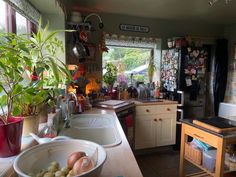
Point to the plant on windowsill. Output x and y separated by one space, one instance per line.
110 76
21 92
151 69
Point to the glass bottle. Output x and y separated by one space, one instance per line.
48 131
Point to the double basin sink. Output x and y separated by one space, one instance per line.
99 128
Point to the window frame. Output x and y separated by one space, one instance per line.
10 21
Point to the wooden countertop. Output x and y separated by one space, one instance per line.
120 159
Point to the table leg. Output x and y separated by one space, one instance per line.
220 158
183 140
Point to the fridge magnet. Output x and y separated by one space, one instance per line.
201 60
194 78
186 71
193 71
188 81
196 53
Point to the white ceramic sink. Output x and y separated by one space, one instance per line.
99 128
91 120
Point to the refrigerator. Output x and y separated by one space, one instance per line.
183 79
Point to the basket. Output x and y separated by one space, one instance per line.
193 154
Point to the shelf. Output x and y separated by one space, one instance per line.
199 174
201 167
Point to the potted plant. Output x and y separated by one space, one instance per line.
14 58
151 69
23 63
110 75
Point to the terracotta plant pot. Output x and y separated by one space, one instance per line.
10 137
30 125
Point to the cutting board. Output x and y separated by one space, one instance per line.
111 102
217 124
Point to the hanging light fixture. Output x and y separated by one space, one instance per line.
212 2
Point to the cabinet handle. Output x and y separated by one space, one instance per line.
147 110
168 109
200 137
155 120
160 119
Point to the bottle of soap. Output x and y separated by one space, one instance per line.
48 131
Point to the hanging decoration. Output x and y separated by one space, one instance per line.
102 45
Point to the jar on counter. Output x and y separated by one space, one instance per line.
81 101
48 131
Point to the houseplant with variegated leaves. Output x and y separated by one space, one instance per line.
20 92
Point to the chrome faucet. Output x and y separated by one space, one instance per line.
69 108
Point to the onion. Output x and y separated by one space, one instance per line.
82 165
73 158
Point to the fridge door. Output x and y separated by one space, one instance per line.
192 81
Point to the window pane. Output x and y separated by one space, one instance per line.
2 16
21 24
129 61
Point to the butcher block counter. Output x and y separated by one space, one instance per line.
120 159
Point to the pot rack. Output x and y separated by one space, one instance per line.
85 24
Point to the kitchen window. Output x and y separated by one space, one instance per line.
2 16
131 56
21 24
12 21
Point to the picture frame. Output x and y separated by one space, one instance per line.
91 51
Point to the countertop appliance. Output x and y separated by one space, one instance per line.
125 111
183 77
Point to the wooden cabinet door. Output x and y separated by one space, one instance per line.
166 129
145 133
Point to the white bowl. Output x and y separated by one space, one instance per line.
39 157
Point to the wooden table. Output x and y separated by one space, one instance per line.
218 141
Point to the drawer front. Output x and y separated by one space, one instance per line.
157 117
156 109
201 135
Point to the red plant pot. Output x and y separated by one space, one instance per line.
10 137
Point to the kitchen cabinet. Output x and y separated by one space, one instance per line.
155 125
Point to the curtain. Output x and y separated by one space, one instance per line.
26 9
221 70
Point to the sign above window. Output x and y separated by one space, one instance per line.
134 28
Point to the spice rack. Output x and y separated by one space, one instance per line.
216 140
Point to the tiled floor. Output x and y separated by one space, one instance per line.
162 162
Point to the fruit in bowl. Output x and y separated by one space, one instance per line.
61 158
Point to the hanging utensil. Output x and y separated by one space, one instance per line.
78 49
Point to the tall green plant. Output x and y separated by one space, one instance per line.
18 57
14 59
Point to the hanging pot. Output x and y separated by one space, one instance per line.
78 49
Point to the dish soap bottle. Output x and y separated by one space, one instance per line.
48 131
